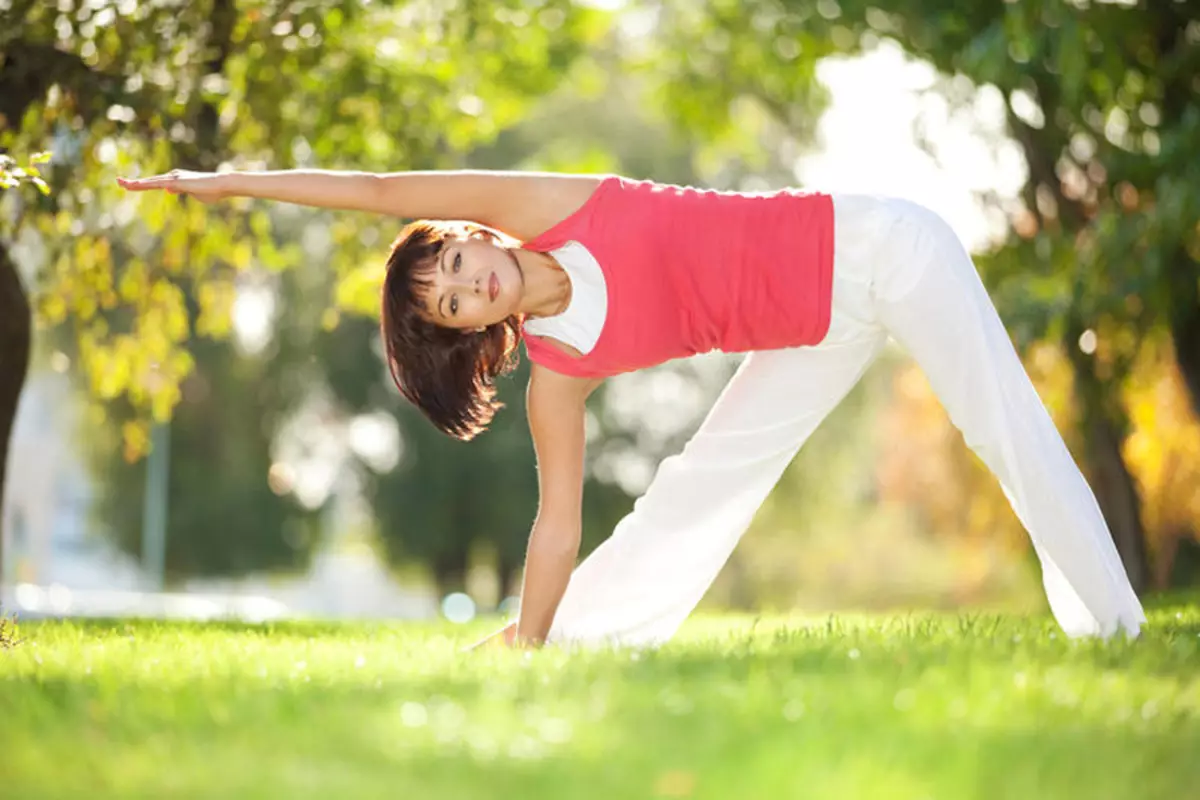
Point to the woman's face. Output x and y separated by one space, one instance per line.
474 283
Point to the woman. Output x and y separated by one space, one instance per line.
603 275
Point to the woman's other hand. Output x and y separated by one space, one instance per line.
207 187
505 637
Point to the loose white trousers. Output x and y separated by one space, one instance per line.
899 270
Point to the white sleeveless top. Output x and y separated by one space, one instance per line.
580 324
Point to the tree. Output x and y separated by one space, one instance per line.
1100 99
14 321
228 513
143 88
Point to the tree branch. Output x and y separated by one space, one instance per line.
31 68
13 26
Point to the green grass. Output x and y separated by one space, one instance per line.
848 707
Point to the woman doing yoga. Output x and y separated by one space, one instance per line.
604 275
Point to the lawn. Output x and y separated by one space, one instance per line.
735 708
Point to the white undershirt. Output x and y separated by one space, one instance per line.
580 324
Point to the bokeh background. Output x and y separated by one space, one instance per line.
198 420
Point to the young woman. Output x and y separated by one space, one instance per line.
603 275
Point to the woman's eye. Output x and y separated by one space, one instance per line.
457 261
453 304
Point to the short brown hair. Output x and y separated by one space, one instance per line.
449 374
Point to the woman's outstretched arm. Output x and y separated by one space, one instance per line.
522 204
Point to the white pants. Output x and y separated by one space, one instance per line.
900 270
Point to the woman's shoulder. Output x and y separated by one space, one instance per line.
568 207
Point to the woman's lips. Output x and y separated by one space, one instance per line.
493 287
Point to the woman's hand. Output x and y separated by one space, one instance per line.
505 637
207 187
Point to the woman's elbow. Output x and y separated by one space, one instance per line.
558 532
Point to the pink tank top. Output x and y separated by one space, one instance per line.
689 271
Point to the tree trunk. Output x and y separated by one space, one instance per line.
1118 498
1185 324
1104 422
1178 101
1103 426
16 325
506 570
450 573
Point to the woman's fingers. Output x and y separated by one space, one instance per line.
143 184
165 181
203 186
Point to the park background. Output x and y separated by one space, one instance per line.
201 422
204 427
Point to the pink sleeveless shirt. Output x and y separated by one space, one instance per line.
689 271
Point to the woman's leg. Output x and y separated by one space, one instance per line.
642 582
930 298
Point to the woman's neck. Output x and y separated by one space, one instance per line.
547 288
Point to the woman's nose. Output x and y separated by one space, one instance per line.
468 284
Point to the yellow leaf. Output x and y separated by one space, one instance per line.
133 286
136 435
164 402
242 255
85 307
103 252
153 210
358 291
180 364
53 308
216 308
109 371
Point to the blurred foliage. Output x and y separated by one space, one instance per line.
926 468
142 281
16 335
13 174
224 517
724 64
1100 98
722 93
1163 450
8 632
140 88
